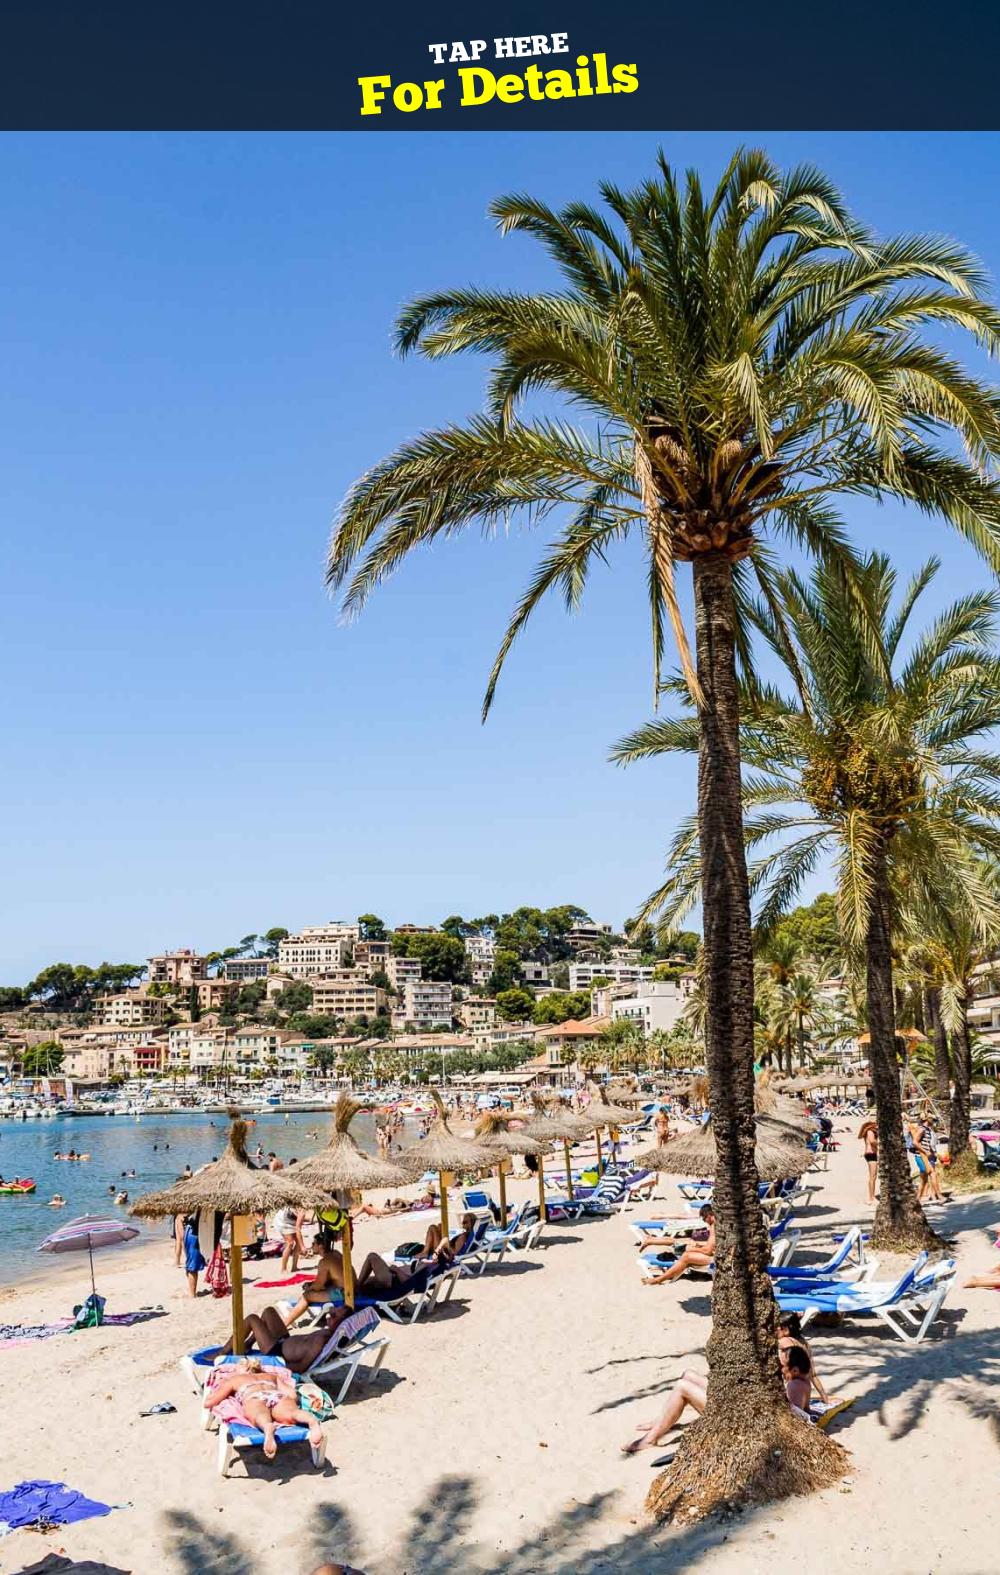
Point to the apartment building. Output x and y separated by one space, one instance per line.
653 1006
480 973
131 1007
149 1060
535 973
498 1035
209 1050
213 994
318 948
372 956
401 971
95 1063
587 934
477 1011
480 948
182 967
583 974
257 1044
433 1044
426 1003
244 970
350 996
984 1005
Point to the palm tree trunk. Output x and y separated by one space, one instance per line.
961 1060
939 1034
747 1445
789 1064
899 1220
802 1043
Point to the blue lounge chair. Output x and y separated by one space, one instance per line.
234 1436
852 1246
908 1308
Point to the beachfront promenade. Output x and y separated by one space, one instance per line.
492 1439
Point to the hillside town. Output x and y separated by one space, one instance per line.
538 991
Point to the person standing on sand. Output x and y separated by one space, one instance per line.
869 1137
194 1260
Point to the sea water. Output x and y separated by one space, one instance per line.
156 1147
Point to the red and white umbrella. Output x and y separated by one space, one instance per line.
88 1232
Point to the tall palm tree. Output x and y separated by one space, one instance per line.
876 760
953 943
777 958
799 1006
741 358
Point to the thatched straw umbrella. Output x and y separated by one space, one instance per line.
695 1155
232 1186
558 1126
443 1150
602 1113
343 1167
493 1129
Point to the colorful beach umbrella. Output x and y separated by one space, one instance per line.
90 1231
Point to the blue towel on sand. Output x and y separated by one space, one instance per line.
46 1503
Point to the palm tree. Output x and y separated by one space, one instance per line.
953 945
800 1006
741 358
777 958
877 761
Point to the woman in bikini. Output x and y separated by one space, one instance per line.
268 1332
267 1399
869 1136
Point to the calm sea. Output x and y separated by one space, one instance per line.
156 1147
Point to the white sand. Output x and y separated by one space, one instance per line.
492 1440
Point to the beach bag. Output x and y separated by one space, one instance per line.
217 1275
409 1249
89 1314
312 1398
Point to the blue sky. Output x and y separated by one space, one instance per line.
195 364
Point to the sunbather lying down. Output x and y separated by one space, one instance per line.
696 1254
266 1396
268 1332
990 1281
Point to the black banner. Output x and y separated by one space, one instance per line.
315 65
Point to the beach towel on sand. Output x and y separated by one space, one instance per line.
41 1503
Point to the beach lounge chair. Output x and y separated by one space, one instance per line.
421 1294
476 1201
520 1235
852 1247
352 1344
234 1436
908 1308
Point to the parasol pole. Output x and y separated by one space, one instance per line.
444 1205
600 1161
542 1214
503 1197
236 1275
90 1254
347 1237
569 1169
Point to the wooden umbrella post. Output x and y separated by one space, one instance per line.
569 1169
503 1198
236 1275
444 1205
543 1215
347 1235
600 1161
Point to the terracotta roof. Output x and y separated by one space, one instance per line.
577 1028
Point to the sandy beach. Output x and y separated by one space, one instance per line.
491 1441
